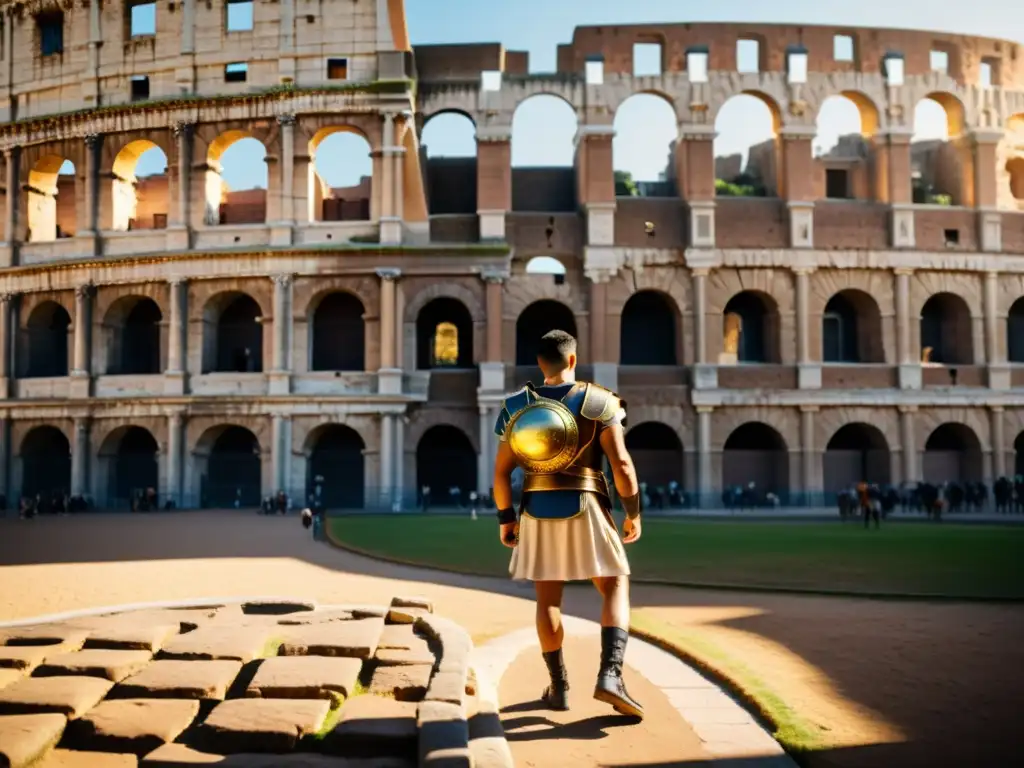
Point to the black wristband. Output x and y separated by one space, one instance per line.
506 516
631 505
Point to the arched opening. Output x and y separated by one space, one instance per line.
132 327
1015 332
236 343
340 176
657 454
45 349
45 462
445 460
845 125
449 141
444 335
339 334
51 213
745 147
851 329
1015 170
543 155
936 162
751 329
952 453
536 320
236 180
648 330
132 465
643 122
233 476
856 453
946 335
140 187
336 468
1018 457
755 457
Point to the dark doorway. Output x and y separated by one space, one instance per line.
444 459
140 339
856 453
444 335
45 462
134 467
536 320
233 471
952 453
240 337
339 334
837 184
1015 332
657 454
839 331
750 328
756 453
46 341
946 335
648 331
336 465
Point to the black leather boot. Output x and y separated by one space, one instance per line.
610 689
556 695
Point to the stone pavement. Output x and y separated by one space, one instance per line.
257 684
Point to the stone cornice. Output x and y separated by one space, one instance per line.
811 258
951 397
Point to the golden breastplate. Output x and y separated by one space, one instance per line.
544 436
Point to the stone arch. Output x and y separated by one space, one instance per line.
1018 455
128 461
351 199
657 454
857 452
939 164
232 334
230 467
748 171
650 330
444 335
1015 171
444 290
828 421
448 139
756 453
946 330
51 206
446 458
751 329
535 114
44 346
536 320
952 453
45 455
133 330
1015 332
337 329
138 202
644 119
851 329
224 205
335 469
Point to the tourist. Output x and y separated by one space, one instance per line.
566 532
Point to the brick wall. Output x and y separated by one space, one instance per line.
858 377
458 62
548 190
666 213
1013 232
451 184
461 228
528 231
757 377
841 225
751 222
930 225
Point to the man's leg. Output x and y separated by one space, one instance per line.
551 634
614 634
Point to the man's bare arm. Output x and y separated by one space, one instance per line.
613 441
504 464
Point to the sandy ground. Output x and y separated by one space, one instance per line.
889 683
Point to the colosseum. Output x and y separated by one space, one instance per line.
800 321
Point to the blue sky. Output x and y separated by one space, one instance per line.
543 128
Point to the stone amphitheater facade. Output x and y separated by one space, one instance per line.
195 342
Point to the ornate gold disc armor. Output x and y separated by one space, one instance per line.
544 436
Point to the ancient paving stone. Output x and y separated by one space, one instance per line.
448 687
366 611
317 617
413 602
8 676
139 637
186 620
65 758
23 738
24 657
401 637
405 615
219 642
357 638
71 696
405 683
395 657
373 725
131 726
69 638
304 677
180 756
261 725
456 644
443 735
174 679
276 607
110 665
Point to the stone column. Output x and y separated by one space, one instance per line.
485 468
797 188
5 466
605 361
704 490
493 179
998 426
595 182
995 353
179 224
910 469
398 484
985 188
286 48
12 159
705 372
188 26
175 452
808 371
90 221
909 364
892 183
174 375
280 375
80 368
90 84
6 345
808 456
695 171
390 222
389 378
492 370
280 451
80 458
281 231
387 457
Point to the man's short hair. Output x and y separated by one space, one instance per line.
555 348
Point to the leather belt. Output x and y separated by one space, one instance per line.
572 479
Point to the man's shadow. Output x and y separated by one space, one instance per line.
588 729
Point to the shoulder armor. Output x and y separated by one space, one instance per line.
599 404
518 400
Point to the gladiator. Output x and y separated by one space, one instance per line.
560 434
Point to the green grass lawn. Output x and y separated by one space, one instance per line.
951 560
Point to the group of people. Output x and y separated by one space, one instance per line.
53 503
931 499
